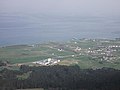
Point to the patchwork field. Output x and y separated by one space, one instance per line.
86 53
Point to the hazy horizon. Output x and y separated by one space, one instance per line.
63 7
33 21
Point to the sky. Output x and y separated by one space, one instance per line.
62 7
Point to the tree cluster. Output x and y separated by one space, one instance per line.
60 78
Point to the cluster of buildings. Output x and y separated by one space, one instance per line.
104 50
107 52
49 61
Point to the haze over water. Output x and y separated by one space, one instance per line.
26 22
20 29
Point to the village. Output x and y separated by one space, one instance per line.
104 50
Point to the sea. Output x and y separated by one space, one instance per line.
17 28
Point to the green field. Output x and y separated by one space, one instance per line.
29 53
22 54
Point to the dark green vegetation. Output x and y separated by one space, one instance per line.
60 78
32 89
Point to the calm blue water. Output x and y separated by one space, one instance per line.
28 28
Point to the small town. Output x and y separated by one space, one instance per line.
103 52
